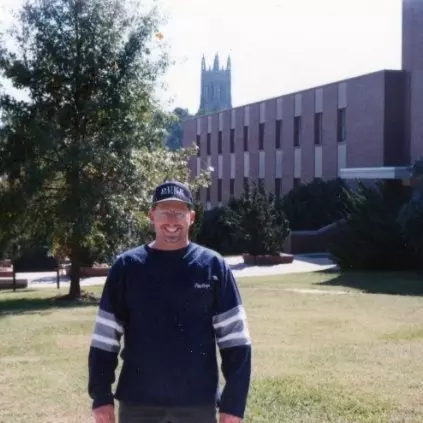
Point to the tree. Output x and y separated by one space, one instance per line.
72 151
174 138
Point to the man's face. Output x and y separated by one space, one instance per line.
172 220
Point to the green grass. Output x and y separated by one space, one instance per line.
327 348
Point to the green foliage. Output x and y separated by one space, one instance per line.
317 204
218 231
418 168
15 238
371 238
199 218
261 227
411 214
253 223
174 138
73 152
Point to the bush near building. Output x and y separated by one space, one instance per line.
317 204
307 207
371 237
253 223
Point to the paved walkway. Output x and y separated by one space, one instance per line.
301 264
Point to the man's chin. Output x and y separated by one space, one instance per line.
172 239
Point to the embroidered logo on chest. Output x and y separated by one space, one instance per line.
205 285
202 285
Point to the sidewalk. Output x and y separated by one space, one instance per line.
301 264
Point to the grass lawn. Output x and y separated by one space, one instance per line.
327 348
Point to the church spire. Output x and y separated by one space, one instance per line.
203 63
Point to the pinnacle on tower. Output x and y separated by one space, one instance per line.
216 62
228 63
203 63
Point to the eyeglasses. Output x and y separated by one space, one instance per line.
169 214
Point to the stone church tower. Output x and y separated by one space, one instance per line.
215 87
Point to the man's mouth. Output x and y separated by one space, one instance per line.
171 229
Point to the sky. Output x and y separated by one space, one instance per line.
276 46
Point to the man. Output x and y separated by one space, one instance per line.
173 300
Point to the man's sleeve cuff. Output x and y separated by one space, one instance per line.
103 400
233 411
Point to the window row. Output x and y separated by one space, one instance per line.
277 188
318 134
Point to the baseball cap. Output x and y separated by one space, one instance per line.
172 190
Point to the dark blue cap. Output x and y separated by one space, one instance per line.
172 190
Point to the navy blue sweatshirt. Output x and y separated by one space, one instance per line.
171 309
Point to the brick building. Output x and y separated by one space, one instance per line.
367 127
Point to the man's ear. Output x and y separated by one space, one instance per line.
192 217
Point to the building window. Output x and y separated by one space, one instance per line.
297 131
278 184
198 145
208 194
297 182
209 144
245 138
232 141
342 127
219 190
219 143
318 128
232 187
261 136
278 133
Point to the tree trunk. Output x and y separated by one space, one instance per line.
75 286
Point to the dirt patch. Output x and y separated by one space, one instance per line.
85 297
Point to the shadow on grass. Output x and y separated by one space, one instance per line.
30 305
391 283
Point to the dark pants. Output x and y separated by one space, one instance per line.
142 414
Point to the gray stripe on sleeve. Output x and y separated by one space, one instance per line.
236 326
109 316
107 331
97 343
242 341
227 314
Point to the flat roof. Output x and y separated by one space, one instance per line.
301 91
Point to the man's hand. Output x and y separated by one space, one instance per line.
104 414
227 418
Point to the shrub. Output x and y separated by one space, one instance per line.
317 204
411 222
260 226
218 232
371 237
411 215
